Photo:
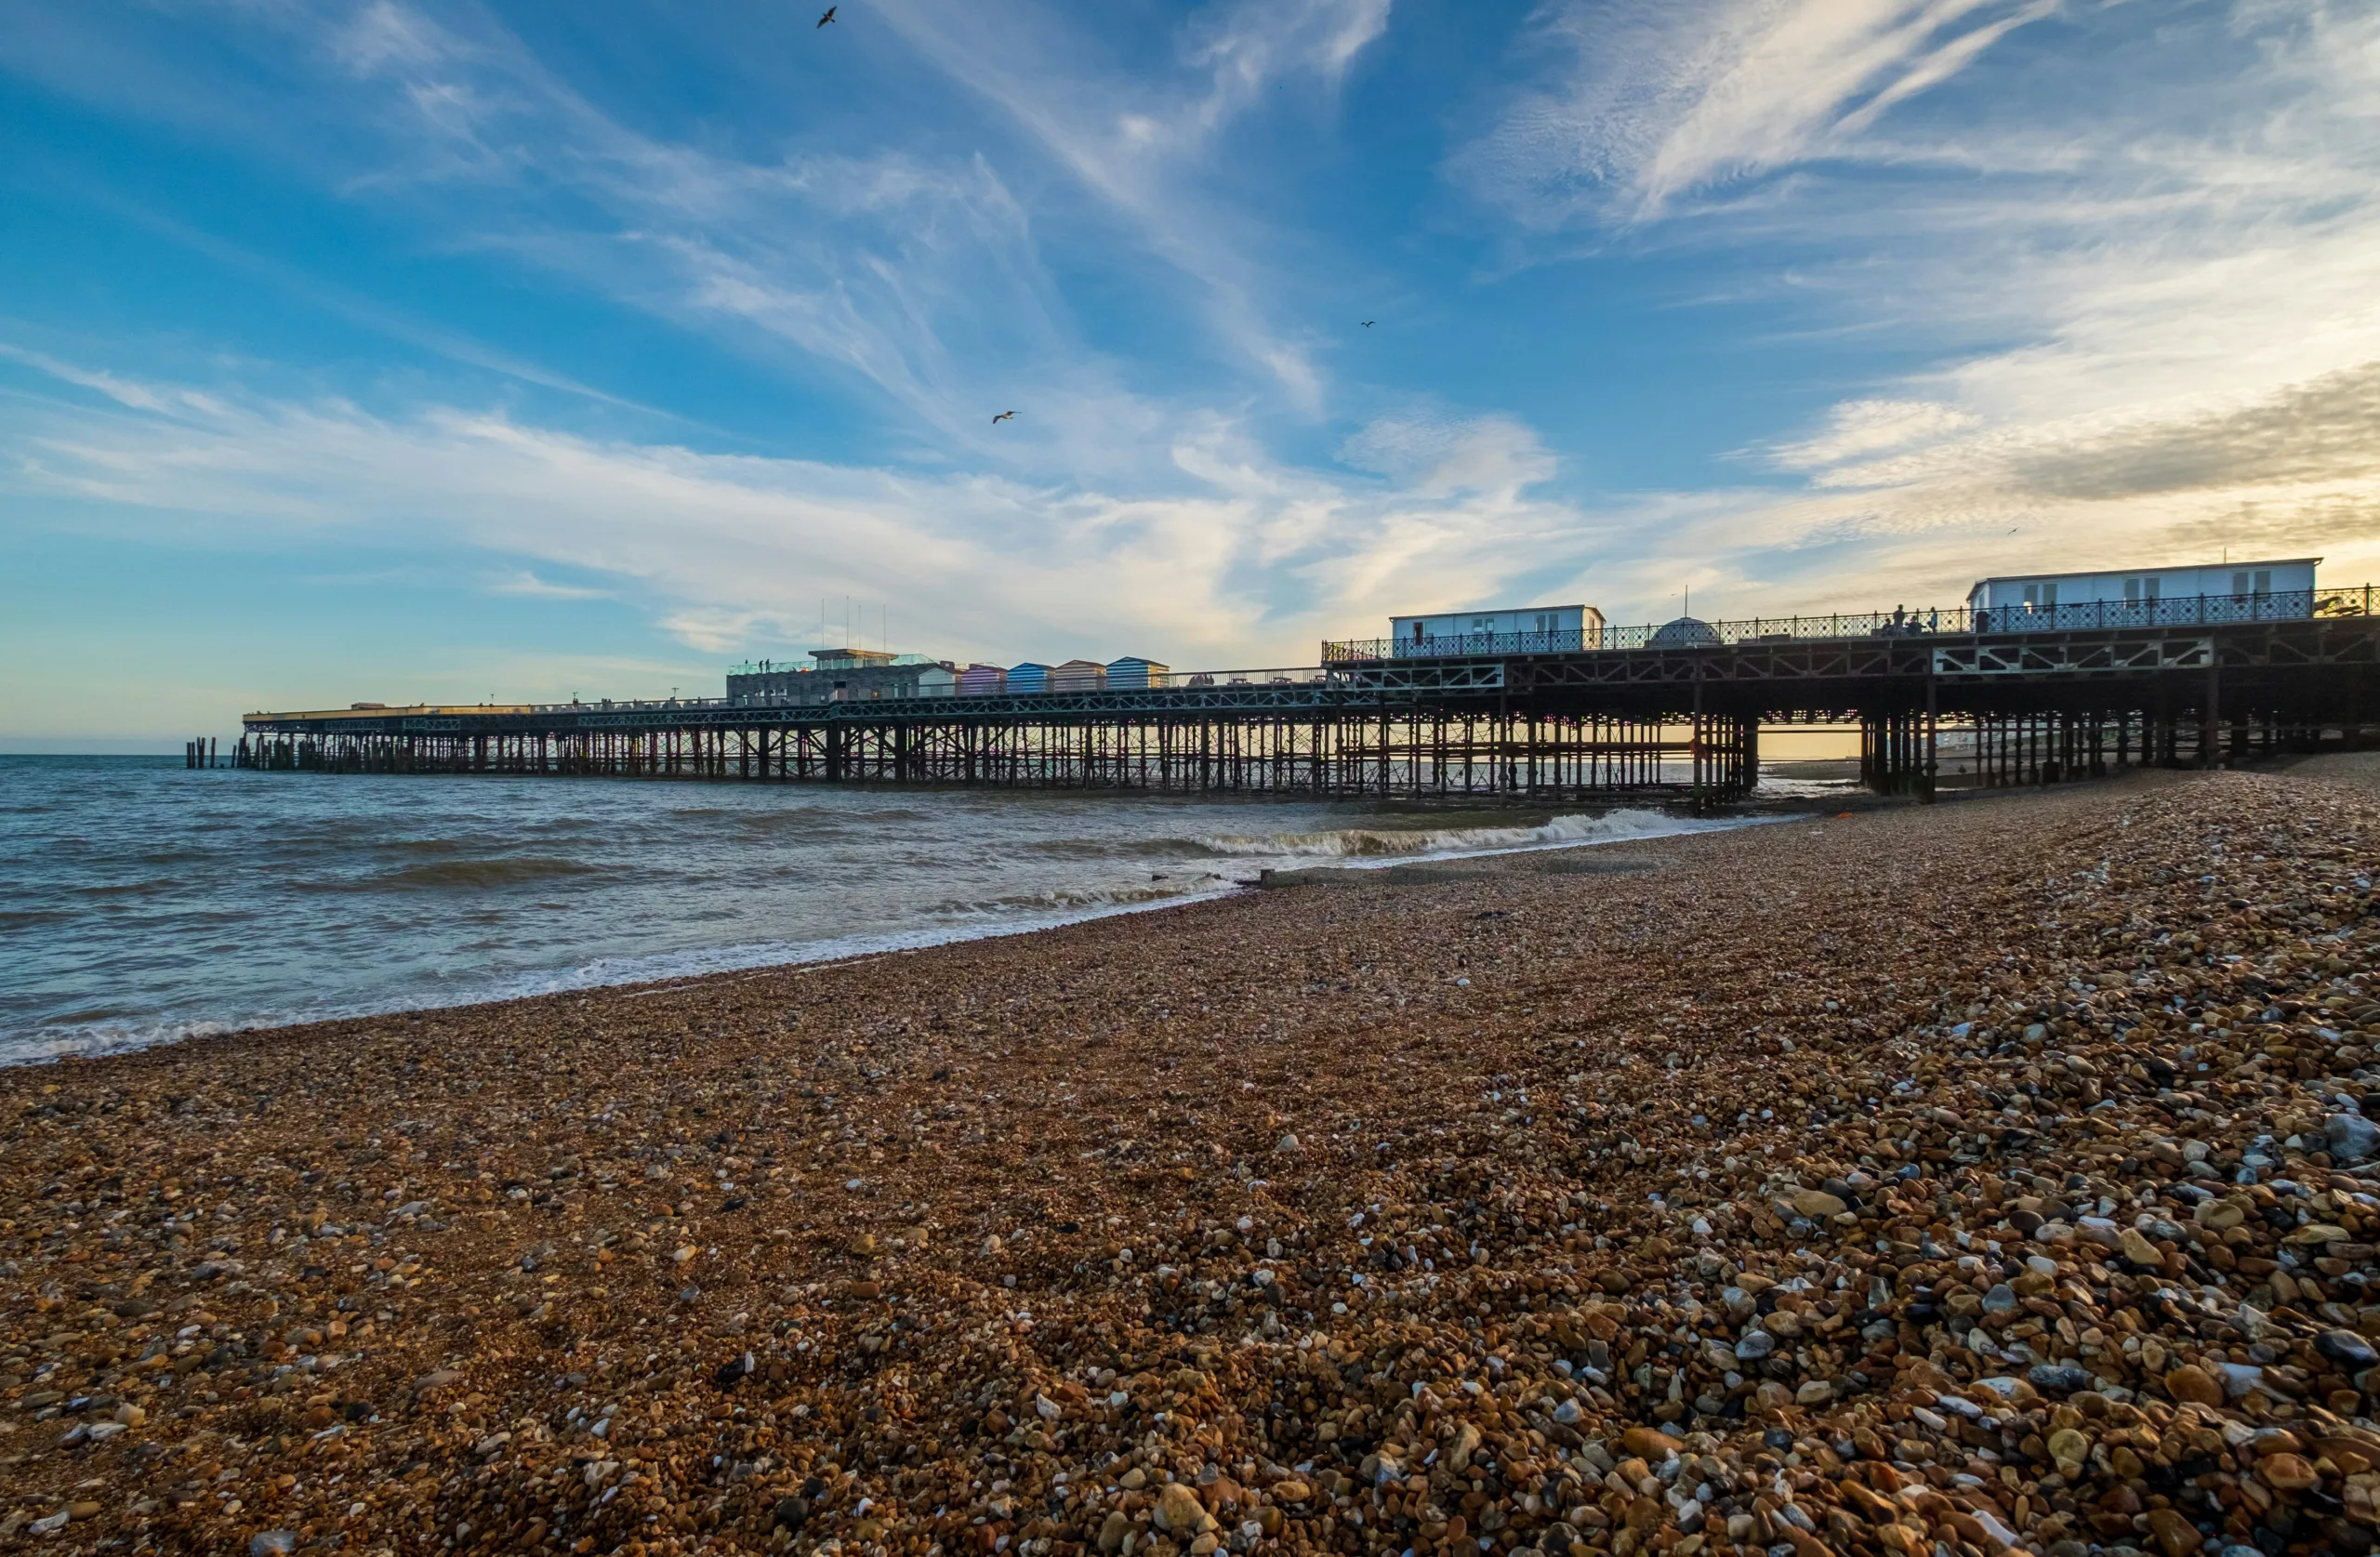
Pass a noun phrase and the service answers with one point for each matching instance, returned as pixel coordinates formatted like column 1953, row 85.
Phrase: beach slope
column 1933, row 1179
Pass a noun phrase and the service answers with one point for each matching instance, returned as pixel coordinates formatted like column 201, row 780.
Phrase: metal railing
column 790, row 667
column 2279, row 605
column 1053, row 682
column 2283, row 605
column 1169, row 680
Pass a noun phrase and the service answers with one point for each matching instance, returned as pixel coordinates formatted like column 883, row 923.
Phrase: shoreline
column 1405, row 869
column 698, row 963
column 1431, row 1208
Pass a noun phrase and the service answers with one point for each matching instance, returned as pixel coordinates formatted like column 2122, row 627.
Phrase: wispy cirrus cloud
column 1655, row 101
column 913, row 274
column 904, row 264
column 134, row 393
column 2148, row 313
column 1857, row 428
column 527, row 584
column 1435, row 454
column 1250, row 44
column 1236, row 552
column 1146, row 148
column 2005, row 283
column 860, row 261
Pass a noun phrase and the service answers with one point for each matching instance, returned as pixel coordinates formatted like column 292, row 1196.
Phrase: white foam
column 90, row 1041
column 1372, row 848
column 1354, row 848
column 1805, row 788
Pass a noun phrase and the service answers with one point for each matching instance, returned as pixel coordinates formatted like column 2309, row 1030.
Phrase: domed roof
column 1684, row 633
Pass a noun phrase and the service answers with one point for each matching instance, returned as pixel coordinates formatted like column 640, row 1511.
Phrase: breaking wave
column 1358, row 846
column 198, row 903
column 474, row 875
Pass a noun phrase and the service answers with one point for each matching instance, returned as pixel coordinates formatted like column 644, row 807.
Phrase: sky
column 465, row 349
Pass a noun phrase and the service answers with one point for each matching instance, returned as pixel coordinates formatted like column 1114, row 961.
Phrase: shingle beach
column 1932, row 1179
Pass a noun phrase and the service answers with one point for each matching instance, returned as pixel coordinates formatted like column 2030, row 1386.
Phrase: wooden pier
column 1626, row 715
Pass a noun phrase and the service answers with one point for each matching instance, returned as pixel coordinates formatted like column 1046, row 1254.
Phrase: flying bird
column 1001, row 417
column 827, row 18
column 1368, row 324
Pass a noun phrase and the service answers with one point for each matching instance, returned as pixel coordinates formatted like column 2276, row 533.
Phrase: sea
column 142, row 902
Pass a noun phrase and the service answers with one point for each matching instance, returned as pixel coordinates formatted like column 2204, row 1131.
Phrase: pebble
column 2346, row 1348
column 2031, row 1213
column 2350, row 1137
column 1179, row 1513
column 2194, row 1386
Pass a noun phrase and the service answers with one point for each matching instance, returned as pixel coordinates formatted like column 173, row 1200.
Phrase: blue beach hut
column 1135, row 674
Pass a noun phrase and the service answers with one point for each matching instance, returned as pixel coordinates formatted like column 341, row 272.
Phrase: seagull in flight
column 1001, row 417
column 1368, row 324
column 827, row 18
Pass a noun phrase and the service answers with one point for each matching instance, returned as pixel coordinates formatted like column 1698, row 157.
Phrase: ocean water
column 140, row 902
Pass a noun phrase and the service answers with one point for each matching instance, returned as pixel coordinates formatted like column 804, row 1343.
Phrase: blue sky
column 395, row 348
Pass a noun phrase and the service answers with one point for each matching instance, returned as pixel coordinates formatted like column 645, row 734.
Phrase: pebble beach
column 1927, row 1180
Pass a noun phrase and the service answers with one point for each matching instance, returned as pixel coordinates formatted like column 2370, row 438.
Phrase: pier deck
column 1532, row 719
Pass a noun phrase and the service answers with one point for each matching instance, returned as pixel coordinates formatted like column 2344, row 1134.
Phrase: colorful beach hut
column 1134, row 674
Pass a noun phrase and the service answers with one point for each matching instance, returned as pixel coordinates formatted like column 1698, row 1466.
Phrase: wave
column 1090, row 902
column 466, row 874
column 984, row 925
column 58, row 1040
column 976, row 876
column 1357, row 846
column 1112, row 849
column 128, row 888
column 89, row 1041
column 1805, row 788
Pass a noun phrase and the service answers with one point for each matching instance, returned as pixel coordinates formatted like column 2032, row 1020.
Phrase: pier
column 1673, row 712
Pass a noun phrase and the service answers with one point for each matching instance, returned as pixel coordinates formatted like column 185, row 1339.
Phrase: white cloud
column 1236, row 555
column 868, row 262
column 1664, row 98
column 908, row 265
column 130, row 392
column 524, row 582
column 1437, row 456
column 1867, row 426
column 1145, row 146
column 915, row 274
column 2144, row 316
column 859, row 261
column 2145, row 295
column 1250, row 44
